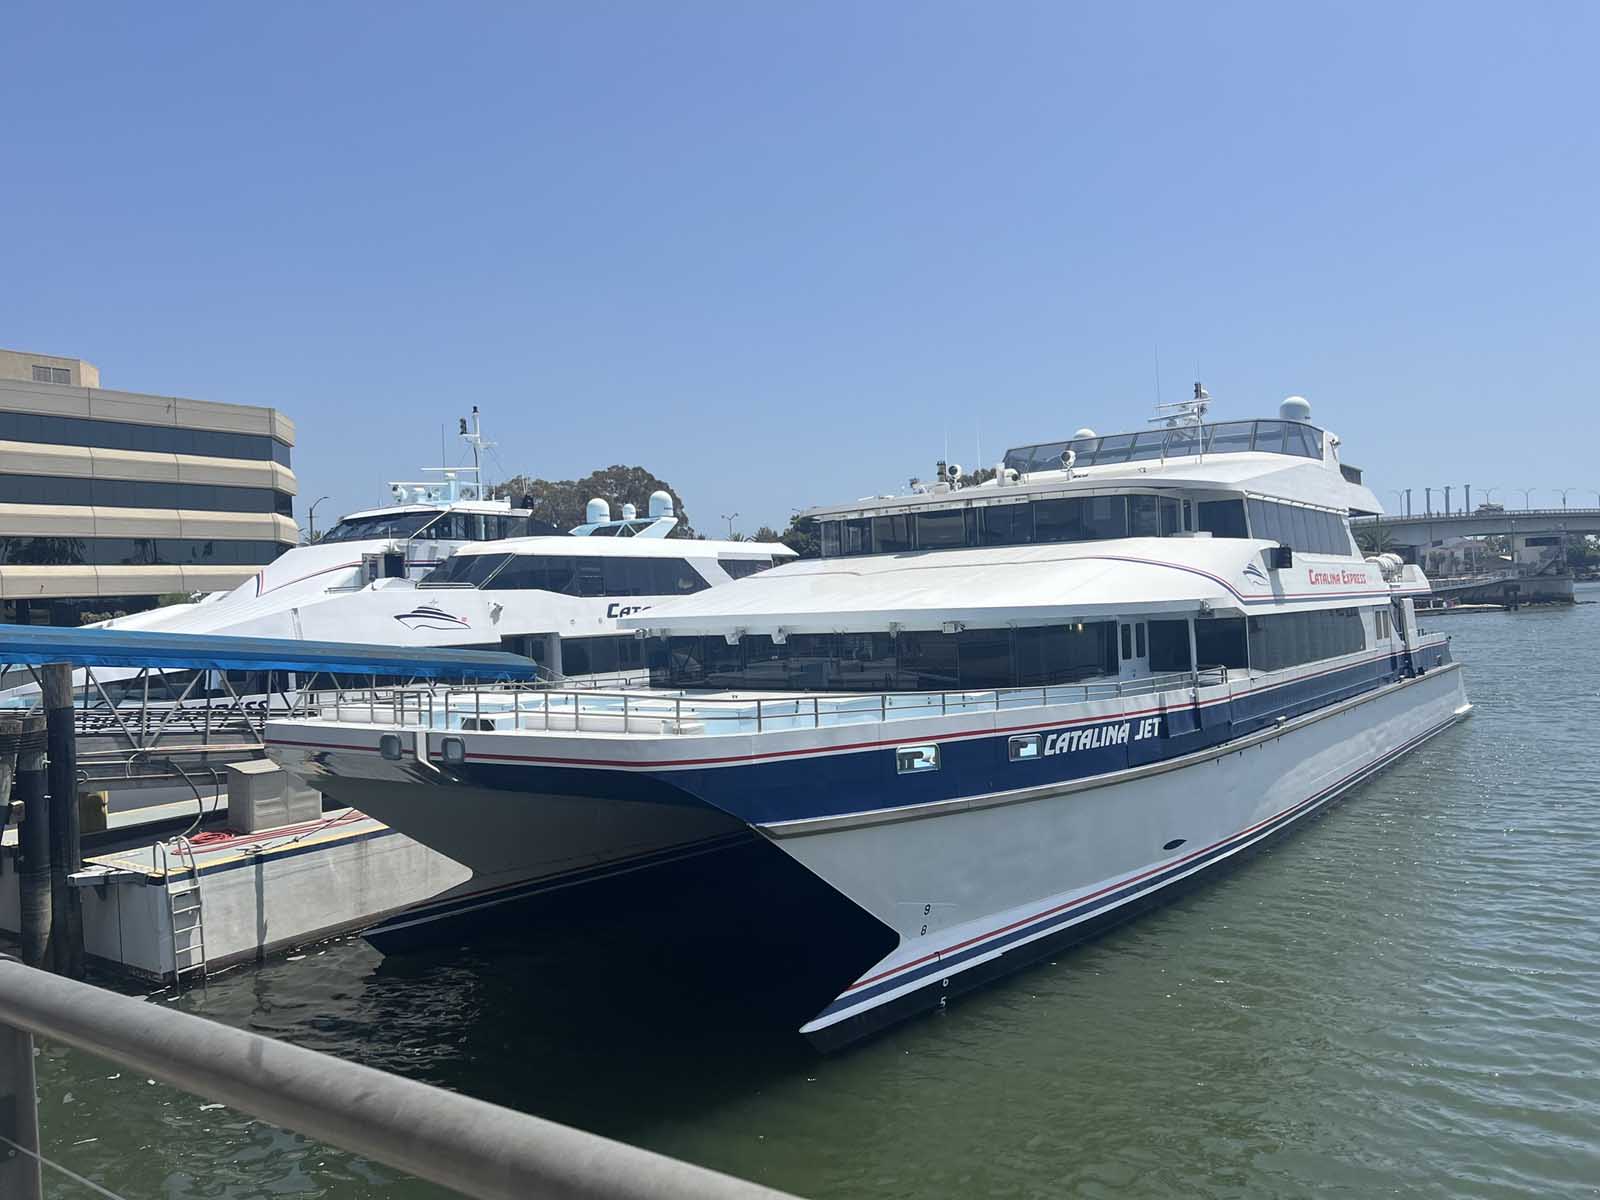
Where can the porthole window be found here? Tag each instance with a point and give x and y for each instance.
(1023, 747)
(909, 760)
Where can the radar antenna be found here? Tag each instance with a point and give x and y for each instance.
(1184, 412)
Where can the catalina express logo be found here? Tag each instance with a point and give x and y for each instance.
(430, 616)
(1252, 571)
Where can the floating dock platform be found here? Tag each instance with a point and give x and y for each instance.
(158, 894)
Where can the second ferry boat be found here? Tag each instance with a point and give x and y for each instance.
(987, 721)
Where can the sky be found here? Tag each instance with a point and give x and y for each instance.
(787, 254)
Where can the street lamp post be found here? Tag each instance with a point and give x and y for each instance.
(728, 517)
(1563, 492)
(1527, 496)
(311, 519)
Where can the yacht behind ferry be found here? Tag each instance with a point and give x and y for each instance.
(558, 599)
(426, 522)
(988, 721)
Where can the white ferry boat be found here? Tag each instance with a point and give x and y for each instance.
(428, 521)
(986, 722)
(448, 566)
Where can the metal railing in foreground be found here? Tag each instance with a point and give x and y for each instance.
(656, 711)
(474, 1148)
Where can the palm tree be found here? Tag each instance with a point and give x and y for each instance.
(1374, 538)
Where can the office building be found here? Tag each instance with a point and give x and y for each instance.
(110, 501)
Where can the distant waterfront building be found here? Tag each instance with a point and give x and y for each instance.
(110, 500)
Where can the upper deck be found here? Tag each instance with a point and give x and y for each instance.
(1283, 459)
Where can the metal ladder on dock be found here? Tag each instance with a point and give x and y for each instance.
(185, 909)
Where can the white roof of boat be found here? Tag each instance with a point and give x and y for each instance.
(631, 547)
(492, 507)
(1280, 476)
(1025, 585)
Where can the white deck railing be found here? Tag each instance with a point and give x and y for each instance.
(625, 711)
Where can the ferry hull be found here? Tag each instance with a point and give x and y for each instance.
(873, 915)
(976, 893)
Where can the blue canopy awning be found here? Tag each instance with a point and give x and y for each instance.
(34, 644)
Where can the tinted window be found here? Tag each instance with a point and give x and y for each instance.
(135, 493)
(738, 568)
(464, 570)
(1105, 517)
(1058, 521)
(1222, 518)
(857, 536)
(1282, 640)
(535, 572)
(984, 658)
(940, 530)
(674, 576)
(832, 543)
(127, 435)
(380, 525)
(1144, 516)
(55, 551)
(891, 535)
(1169, 646)
(1220, 642)
(913, 661)
(1005, 524)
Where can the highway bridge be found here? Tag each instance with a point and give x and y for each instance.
(1433, 529)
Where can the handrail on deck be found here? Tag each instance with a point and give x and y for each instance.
(472, 1147)
(665, 710)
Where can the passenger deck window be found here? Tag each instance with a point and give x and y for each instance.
(596, 575)
(739, 568)
(975, 659)
(1005, 524)
(1221, 642)
(941, 530)
(1222, 518)
(891, 535)
(1282, 640)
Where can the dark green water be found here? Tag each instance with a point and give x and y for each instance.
(1402, 999)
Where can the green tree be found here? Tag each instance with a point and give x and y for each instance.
(1374, 539)
(802, 537)
(562, 502)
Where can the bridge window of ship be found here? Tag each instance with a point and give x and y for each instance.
(1227, 437)
(1063, 519)
(380, 525)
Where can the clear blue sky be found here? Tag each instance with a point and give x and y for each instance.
(775, 252)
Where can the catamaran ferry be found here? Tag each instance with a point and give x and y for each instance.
(985, 722)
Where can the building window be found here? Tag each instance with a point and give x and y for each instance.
(43, 374)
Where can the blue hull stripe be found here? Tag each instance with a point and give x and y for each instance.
(842, 780)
